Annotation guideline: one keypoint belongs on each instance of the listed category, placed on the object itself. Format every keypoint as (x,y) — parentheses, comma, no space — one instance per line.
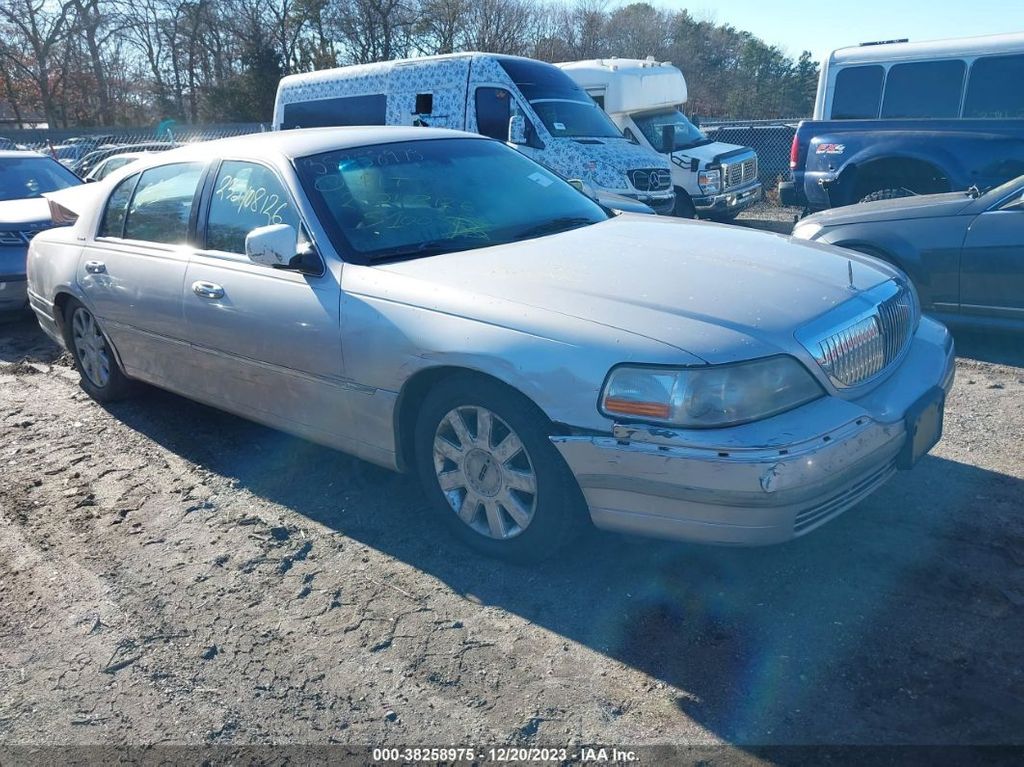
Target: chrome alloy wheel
(90,347)
(485,472)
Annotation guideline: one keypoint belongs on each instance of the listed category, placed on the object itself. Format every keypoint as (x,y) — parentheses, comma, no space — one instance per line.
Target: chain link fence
(771,139)
(83,148)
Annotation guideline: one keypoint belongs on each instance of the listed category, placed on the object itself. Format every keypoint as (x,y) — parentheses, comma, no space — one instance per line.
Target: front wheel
(491,473)
(102,377)
(684,205)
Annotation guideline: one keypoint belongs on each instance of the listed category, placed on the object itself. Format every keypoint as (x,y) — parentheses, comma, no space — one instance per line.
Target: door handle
(207,289)
(95,267)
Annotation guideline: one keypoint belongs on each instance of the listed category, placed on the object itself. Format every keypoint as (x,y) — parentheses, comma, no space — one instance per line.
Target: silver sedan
(435,302)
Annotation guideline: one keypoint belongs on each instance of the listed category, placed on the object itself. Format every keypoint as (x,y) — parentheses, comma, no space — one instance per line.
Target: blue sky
(823,25)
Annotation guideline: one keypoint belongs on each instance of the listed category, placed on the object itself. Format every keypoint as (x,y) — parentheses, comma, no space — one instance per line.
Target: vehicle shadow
(900,622)
(999,347)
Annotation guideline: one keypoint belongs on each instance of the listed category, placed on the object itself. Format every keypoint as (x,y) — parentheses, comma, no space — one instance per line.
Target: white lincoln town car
(435,302)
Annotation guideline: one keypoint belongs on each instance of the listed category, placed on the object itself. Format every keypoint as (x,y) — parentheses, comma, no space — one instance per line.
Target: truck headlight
(708,397)
(710,181)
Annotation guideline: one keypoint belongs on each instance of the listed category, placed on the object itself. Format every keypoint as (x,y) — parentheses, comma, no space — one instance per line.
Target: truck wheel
(491,474)
(684,205)
(887,194)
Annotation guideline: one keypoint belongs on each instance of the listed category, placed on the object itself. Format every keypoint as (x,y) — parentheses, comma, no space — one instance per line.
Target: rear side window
(493,110)
(162,204)
(994,89)
(326,113)
(246,196)
(117,206)
(924,89)
(858,93)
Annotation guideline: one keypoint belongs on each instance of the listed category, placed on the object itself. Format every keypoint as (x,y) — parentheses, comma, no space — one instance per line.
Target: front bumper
(730,202)
(662,203)
(746,485)
(13,293)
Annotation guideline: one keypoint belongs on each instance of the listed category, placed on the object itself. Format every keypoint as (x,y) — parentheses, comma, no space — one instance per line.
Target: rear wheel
(102,377)
(491,473)
(892,193)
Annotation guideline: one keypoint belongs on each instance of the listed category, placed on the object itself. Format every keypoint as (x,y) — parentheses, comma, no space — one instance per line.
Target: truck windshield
(413,199)
(687,135)
(23,177)
(574,119)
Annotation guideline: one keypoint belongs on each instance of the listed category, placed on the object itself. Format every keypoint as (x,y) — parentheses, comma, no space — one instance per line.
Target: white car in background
(112,163)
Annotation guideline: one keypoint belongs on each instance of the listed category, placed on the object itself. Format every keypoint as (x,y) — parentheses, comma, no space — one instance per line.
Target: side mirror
(583,187)
(275,245)
(668,138)
(517,130)
(577,184)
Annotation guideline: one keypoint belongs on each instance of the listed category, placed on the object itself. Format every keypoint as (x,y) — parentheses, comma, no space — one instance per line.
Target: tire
(521,505)
(101,375)
(684,205)
(886,194)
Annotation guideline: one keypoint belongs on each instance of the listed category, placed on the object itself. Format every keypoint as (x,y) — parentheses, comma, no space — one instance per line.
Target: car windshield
(574,119)
(22,177)
(687,135)
(421,198)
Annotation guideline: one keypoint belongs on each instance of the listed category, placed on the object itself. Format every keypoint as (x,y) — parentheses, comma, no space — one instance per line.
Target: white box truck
(533,105)
(644,98)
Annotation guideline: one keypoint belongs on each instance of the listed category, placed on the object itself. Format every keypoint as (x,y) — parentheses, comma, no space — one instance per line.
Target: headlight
(710,181)
(708,397)
(807,231)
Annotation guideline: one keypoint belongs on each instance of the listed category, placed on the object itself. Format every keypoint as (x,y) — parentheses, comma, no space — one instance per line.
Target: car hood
(720,293)
(14,213)
(707,152)
(602,161)
(900,209)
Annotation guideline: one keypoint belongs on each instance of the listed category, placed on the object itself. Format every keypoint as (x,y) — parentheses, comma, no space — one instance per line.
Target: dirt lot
(171,574)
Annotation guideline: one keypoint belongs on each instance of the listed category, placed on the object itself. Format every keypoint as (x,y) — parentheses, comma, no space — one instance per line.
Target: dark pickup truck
(840,162)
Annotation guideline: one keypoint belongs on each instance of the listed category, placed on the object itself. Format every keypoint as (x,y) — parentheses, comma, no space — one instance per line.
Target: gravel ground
(172,574)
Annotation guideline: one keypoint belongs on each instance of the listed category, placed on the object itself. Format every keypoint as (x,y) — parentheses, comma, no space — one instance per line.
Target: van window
(493,110)
(924,89)
(326,113)
(162,204)
(858,93)
(994,89)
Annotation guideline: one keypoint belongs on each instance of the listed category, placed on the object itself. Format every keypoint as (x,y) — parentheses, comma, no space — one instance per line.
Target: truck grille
(650,179)
(863,346)
(739,173)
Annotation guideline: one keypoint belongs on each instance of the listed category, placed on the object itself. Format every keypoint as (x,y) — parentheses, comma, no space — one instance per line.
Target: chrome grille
(651,179)
(739,173)
(860,347)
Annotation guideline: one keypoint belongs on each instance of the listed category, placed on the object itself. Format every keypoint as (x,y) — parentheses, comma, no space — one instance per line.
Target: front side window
(162,204)
(858,93)
(246,196)
(994,89)
(117,206)
(924,89)
(493,110)
(686,135)
(23,177)
(421,198)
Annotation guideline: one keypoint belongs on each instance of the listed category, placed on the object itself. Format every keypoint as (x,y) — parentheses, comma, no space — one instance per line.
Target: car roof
(309,141)
(6,154)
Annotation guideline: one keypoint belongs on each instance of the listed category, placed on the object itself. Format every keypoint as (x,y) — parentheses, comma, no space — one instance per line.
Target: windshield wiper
(554,226)
(428,248)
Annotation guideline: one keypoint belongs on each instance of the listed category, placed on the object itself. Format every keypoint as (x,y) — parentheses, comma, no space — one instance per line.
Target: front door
(992,264)
(267,342)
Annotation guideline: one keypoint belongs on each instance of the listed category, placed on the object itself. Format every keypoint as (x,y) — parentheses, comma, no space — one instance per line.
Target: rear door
(992,264)
(267,342)
(132,271)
